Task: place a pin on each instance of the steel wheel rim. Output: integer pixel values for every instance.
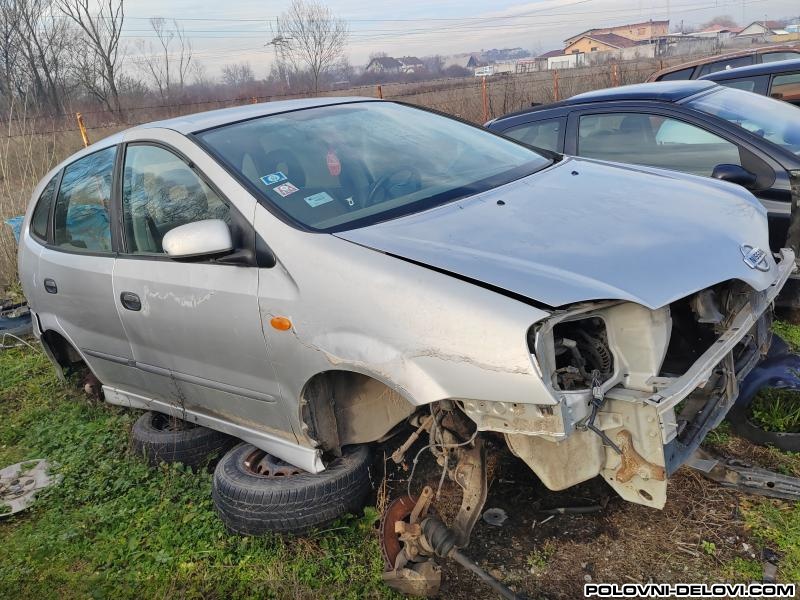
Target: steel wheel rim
(262, 464)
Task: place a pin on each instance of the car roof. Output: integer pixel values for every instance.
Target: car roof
(665, 91)
(193, 123)
(721, 57)
(661, 91)
(778, 66)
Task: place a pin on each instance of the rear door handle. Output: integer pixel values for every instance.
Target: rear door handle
(130, 301)
(50, 286)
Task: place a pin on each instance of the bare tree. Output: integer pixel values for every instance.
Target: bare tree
(237, 75)
(312, 39)
(99, 58)
(45, 43)
(166, 63)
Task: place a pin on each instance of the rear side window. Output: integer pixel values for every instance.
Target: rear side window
(677, 75)
(756, 84)
(41, 214)
(541, 134)
(775, 56)
(722, 65)
(82, 222)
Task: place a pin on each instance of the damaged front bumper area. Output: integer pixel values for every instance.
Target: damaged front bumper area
(634, 391)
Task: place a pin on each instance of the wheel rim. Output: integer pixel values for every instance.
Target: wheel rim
(163, 422)
(261, 464)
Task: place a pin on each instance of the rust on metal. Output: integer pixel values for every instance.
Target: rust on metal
(634, 463)
(397, 511)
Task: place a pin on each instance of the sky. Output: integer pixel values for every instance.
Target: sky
(239, 31)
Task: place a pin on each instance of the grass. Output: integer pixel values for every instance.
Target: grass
(116, 528)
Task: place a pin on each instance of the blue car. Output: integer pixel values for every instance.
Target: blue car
(695, 127)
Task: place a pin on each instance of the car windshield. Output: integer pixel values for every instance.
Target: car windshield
(344, 166)
(773, 120)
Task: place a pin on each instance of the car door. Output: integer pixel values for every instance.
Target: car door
(75, 266)
(668, 139)
(194, 326)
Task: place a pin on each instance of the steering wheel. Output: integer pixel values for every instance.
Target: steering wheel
(402, 176)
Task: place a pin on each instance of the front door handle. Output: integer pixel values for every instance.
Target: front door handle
(50, 286)
(130, 301)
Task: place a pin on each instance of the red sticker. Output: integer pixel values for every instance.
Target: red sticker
(334, 166)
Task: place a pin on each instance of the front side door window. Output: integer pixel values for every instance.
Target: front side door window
(83, 207)
(160, 192)
(654, 140)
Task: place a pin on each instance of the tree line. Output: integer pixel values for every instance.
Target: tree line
(56, 55)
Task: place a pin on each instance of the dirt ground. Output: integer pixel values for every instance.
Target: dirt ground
(693, 539)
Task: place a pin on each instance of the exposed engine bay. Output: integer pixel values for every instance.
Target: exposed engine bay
(633, 393)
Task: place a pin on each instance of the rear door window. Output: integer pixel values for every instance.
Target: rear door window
(41, 214)
(757, 85)
(786, 87)
(677, 75)
(540, 134)
(730, 63)
(82, 211)
(775, 56)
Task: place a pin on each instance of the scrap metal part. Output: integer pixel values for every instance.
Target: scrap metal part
(19, 484)
(742, 476)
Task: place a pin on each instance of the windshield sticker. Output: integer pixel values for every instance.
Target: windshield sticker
(285, 189)
(318, 199)
(273, 178)
(334, 165)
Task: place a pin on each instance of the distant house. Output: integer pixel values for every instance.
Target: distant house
(384, 64)
(762, 28)
(598, 42)
(465, 61)
(552, 53)
(411, 64)
(395, 66)
(637, 32)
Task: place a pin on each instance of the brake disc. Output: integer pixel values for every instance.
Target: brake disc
(19, 484)
(399, 509)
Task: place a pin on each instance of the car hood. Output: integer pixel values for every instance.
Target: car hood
(588, 230)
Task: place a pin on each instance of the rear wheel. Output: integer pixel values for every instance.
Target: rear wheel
(163, 438)
(255, 492)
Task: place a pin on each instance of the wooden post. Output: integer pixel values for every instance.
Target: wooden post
(485, 101)
(556, 95)
(614, 75)
(82, 128)
(380, 92)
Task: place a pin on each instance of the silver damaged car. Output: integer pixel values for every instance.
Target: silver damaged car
(307, 276)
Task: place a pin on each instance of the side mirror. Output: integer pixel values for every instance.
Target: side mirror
(201, 238)
(734, 174)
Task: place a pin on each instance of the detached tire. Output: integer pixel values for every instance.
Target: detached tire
(255, 493)
(161, 438)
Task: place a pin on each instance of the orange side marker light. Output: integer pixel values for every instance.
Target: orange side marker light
(281, 323)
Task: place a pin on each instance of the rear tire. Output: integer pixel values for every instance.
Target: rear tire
(161, 438)
(255, 493)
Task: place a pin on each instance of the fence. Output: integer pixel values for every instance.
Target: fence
(33, 145)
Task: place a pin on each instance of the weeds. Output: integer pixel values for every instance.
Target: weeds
(115, 528)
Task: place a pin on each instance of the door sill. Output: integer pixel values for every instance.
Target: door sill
(307, 459)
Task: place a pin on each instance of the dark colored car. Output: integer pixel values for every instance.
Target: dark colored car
(711, 64)
(779, 80)
(696, 127)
